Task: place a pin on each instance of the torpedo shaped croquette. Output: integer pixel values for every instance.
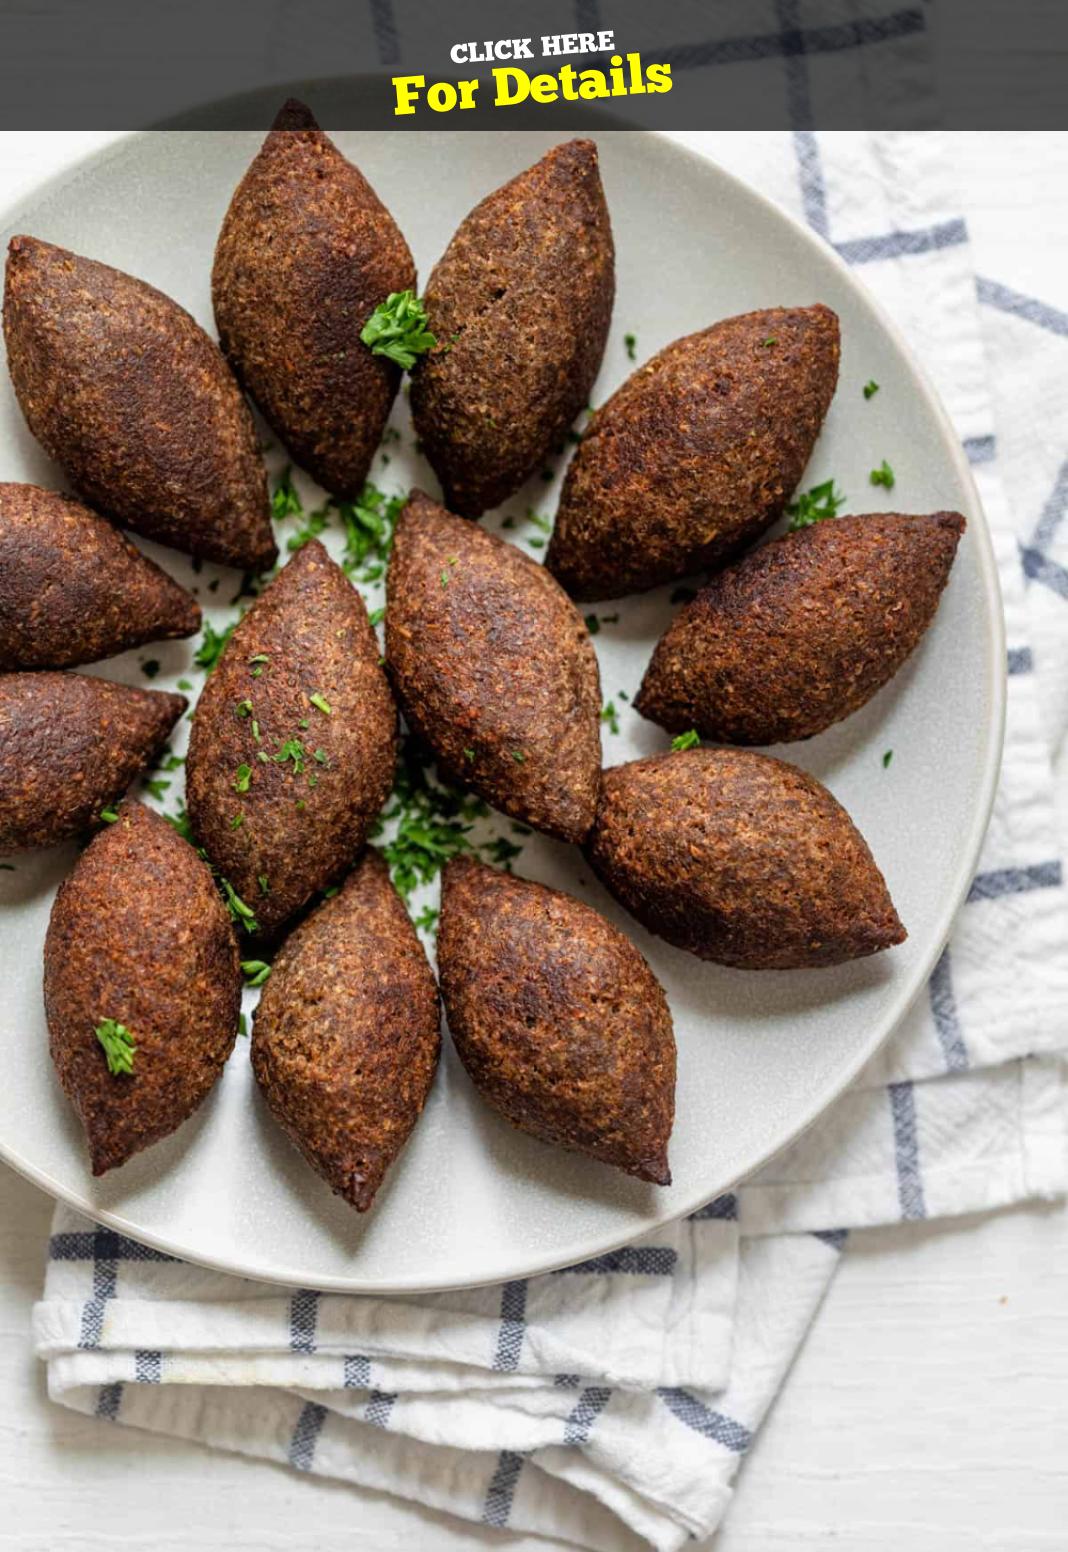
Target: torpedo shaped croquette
(70, 745)
(741, 859)
(306, 253)
(293, 742)
(74, 589)
(494, 669)
(126, 391)
(346, 1037)
(560, 1022)
(520, 303)
(696, 454)
(803, 631)
(142, 985)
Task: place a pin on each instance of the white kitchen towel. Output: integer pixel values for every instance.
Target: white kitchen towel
(610, 1405)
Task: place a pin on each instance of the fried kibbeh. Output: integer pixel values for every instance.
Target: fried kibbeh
(741, 859)
(73, 589)
(494, 669)
(803, 631)
(346, 1036)
(70, 745)
(142, 985)
(126, 391)
(306, 253)
(559, 1021)
(520, 303)
(696, 454)
(293, 742)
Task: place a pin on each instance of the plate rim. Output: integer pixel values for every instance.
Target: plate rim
(997, 681)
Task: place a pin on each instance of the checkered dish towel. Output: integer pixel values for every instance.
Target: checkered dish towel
(611, 1404)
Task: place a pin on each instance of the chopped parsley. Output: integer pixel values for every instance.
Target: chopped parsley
(630, 345)
(239, 911)
(883, 475)
(242, 778)
(180, 823)
(518, 756)
(871, 387)
(150, 667)
(244, 708)
(397, 329)
(185, 684)
(432, 821)
(293, 750)
(212, 646)
(284, 501)
(109, 816)
(255, 971)
(376, 616)
(118, 1046)
(157, 786)
(242, 1025)
(317, 523)
(688, 740)
(321, 703)
(237, 821)
(887, 757)
(265, 887)
(772, 339)
(814, 506)
(469, 754)
(502, 850)
(427, 919)
(610, 716)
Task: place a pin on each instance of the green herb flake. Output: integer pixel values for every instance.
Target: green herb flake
(284, 501)
(469, 755)
(501, 850)
(255, 971)
(185, 684)
(688, 740)
(244, 708)
(376, 616)
(237, 821)
(265, 887)
(321, 703)
(814, 506)
(887, 757)
(118, 1046)
(109, 816)
(883, 476)
(239, 911)
(321, 756)
(427, 919)
(293, 750)
(242, 1026)
(180, 823)
(518, 756)
(610, 716)
(430, 822)
(242, 778)
(630, 345)
(593, 624)
(150, 667)
(398, 329)
(871, 388)
(156, 786)
(212, 645)
(771, 340)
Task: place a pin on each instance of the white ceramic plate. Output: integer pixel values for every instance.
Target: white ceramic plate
(760, 1055)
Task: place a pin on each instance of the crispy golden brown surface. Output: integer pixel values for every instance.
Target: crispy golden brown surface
(74, 589)
(520, 303)
(346, 1036)
(139, 935)
(125, 390)
(282, 792)
(741, 859)
(70, 745)
(306, 253)
(803, 631)
(558, 1019)
(494, 669)
(696, 454)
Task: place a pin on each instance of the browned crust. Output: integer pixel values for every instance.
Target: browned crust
(312, 625)
(138, 934)
(520, 302)
(741, 859)
(346, 1037)
(306, 253)
(124, 389)
(73, 589)
(70, 745)
(696, 454)
(494, 669)
(558, 1019)
(802, 632)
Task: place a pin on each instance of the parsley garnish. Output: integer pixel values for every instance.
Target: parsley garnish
(293, 750)
(887, 757)
(610, 715)
(109, 816)
(185, 684)
(316, 524)
(397, 329)
(518, 756)
(118, 1045)
(212, 645)
(242, 778)
(242, 1025)
(150, 667)
(157, 786)
(239, 911)
(433, 822)
(883, 475)
(814, 506)
(255, 971)
(501, 850)
(771, 340)
(427, 919)
(180, 823)
(244, 708)
(630, 344)
(469, 754)
(321, 703)
(688, 740)
(871, 387)
(285, 502)
(264, 884)
(237, 821)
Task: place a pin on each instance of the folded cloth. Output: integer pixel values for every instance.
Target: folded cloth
(610, 1404)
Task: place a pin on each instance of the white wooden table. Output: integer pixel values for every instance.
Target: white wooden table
(927, 1412)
